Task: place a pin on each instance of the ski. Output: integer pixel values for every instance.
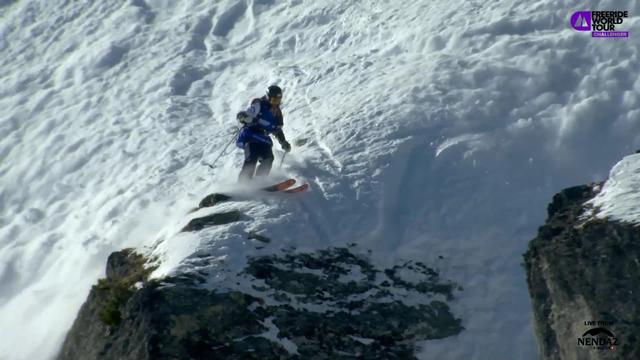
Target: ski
(297, 189)
(283, 185)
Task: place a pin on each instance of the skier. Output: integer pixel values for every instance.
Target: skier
(262, 118)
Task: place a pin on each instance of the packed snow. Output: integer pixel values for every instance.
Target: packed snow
(433, 130)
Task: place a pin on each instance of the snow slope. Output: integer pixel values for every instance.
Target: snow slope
(431, 129)
(619, 198)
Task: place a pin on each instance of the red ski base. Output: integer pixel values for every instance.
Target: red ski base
(297, 189)
(280, 186)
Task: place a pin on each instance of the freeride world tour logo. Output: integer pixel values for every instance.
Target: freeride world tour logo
(600, 23)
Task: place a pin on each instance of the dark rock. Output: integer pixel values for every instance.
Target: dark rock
(213, 199)
(583, 269)
(120, 263)
(104, 312)
(200, 223)
(174, 319)
(254, 236)
(568, 197)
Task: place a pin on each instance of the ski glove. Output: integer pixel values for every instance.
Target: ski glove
(244, 118)
(285, 146)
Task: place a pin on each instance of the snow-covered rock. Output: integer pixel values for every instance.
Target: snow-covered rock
(329, 304)
(583, 273)
(619, 198)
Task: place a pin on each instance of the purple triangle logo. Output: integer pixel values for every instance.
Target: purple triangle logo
(581, 20)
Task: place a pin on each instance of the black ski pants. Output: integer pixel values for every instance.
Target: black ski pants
(254, 152)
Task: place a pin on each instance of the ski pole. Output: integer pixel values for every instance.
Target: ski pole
(223, 151)
(282, 159)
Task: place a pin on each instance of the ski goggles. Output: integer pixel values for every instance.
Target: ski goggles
(275, 100)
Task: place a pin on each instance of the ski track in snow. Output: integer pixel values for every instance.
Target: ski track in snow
(427, 131)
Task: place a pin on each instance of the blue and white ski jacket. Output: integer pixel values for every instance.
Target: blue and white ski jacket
(267, 119)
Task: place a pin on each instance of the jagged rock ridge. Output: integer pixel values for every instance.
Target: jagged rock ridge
(329, 304)
(583, 269)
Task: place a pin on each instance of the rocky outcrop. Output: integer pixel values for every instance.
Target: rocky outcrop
(200, 223)
(329, 304)
(583, 274)
(109, 304)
